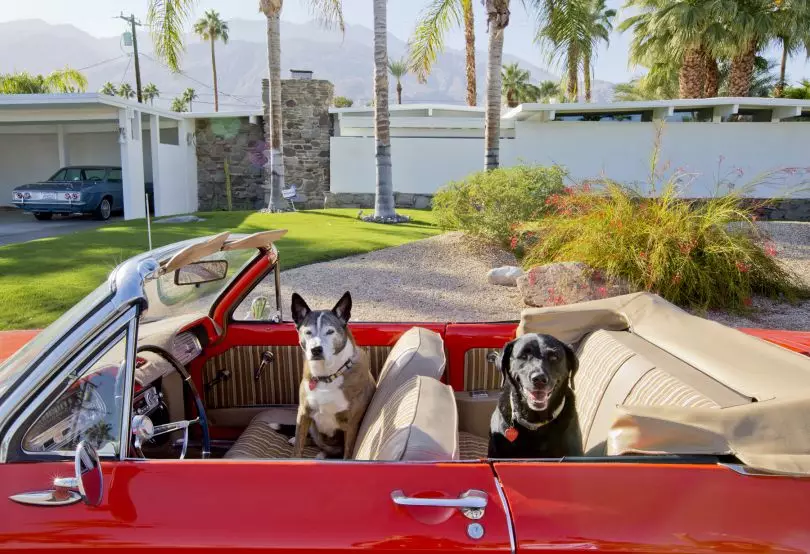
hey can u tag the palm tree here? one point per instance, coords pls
(517, 87)
(598, 26)
(167, 18)
(428, 39)
(179, 104)
(126, 91)
(211, 28)
(751, 24)
(398, 70)
(59, 81)
(792, 29)
(109, 89)
(150, 92)
(497, 21)
(548, 90)
(190, 95)
(687, 33)
(801, 92)
(384, 197)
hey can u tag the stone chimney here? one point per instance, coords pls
(307, 124)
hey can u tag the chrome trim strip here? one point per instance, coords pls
(743, 469)
(508, 511)
(126, 405)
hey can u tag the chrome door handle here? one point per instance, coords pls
(471, 499)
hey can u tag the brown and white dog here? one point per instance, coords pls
(337, 385)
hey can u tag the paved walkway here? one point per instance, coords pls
(17, 226)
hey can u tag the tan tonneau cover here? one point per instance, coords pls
(198, 251)
(772, 436)
(751, 366)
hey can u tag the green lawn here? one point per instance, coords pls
(41, 279)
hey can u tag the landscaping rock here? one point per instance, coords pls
(567, 283)
(505, 276)
(180, 219)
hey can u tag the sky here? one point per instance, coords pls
(97, 18)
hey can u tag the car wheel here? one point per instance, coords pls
(104, 210)
(43, 216)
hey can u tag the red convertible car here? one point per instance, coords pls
(146, 419)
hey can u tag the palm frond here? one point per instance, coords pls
(428, 38)
(66, 80)
(167, 20)
(328, 12)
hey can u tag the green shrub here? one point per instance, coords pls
(342, 102)
(707, 254)
(489, 204)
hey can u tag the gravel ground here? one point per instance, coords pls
(444, 279)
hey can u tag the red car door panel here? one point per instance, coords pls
(152, 506)
(628, 507)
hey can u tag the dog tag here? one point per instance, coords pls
(312, 384)
(511, 434)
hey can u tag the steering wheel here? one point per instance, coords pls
(142, 426)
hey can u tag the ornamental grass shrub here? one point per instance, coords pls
(490, 204)
(701, 254)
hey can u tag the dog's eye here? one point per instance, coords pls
(308, 333)
(523, 356)
(330, 332)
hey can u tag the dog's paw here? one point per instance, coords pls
(321, 456)
(275, 426)
(291, 441)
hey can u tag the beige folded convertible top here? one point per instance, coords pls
(772, 436)
(199, 250)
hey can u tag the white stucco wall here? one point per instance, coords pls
(25, 158)
(93, 149)
(619, 150)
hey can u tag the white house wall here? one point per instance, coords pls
(25, 159)
(93, 149)
(619, 150)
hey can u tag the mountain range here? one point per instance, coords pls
(345, 59)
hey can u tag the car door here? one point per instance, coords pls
(620, 506)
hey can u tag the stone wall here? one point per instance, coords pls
(239, 142)
(305, 139)
(366, 200)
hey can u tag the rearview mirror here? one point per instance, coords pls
(88, 473)
(196, 273)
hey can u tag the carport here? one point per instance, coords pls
(41, 133)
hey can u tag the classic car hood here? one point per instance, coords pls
(51, 185)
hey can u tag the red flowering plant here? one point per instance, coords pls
(706, 253)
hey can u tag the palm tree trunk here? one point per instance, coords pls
(692, 74)
(469, 41)
(586, 72)
(711, 86)
(497, 20)
(399, 92)
(384, 198)
(779, 89)
(214, 67)
(742, 67)
(572, 88)
(275, 160)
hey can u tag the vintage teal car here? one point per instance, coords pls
(96, 190)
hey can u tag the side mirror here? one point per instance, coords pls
(88, 474)
(197, 273)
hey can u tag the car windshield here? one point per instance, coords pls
(12, 368)
(167, 299)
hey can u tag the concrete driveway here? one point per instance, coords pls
(17, 226)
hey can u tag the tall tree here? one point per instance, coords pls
(126, 91)
(517, 86)
(150, 92)
(109, 89)
(398, 69)
(384, 197)
(211, 28)
(190, 95)
(167, 19)
(428, 39)
(792, 31)
(497, 21)
(179, 104)
(548, 90)
(598, 26)
(751, 24)
(59, 81)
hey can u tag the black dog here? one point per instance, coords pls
(536, 416)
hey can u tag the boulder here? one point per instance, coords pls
(567, 283)
(506, 275)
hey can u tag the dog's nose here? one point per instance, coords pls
(316, 350)
(539, 379)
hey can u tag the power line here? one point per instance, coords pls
(101, 63)
(124, 76)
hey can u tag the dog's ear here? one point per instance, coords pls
(343, 309)
(300, 310)
(572, 362)
(505, 362)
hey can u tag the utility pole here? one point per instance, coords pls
(132, 22)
